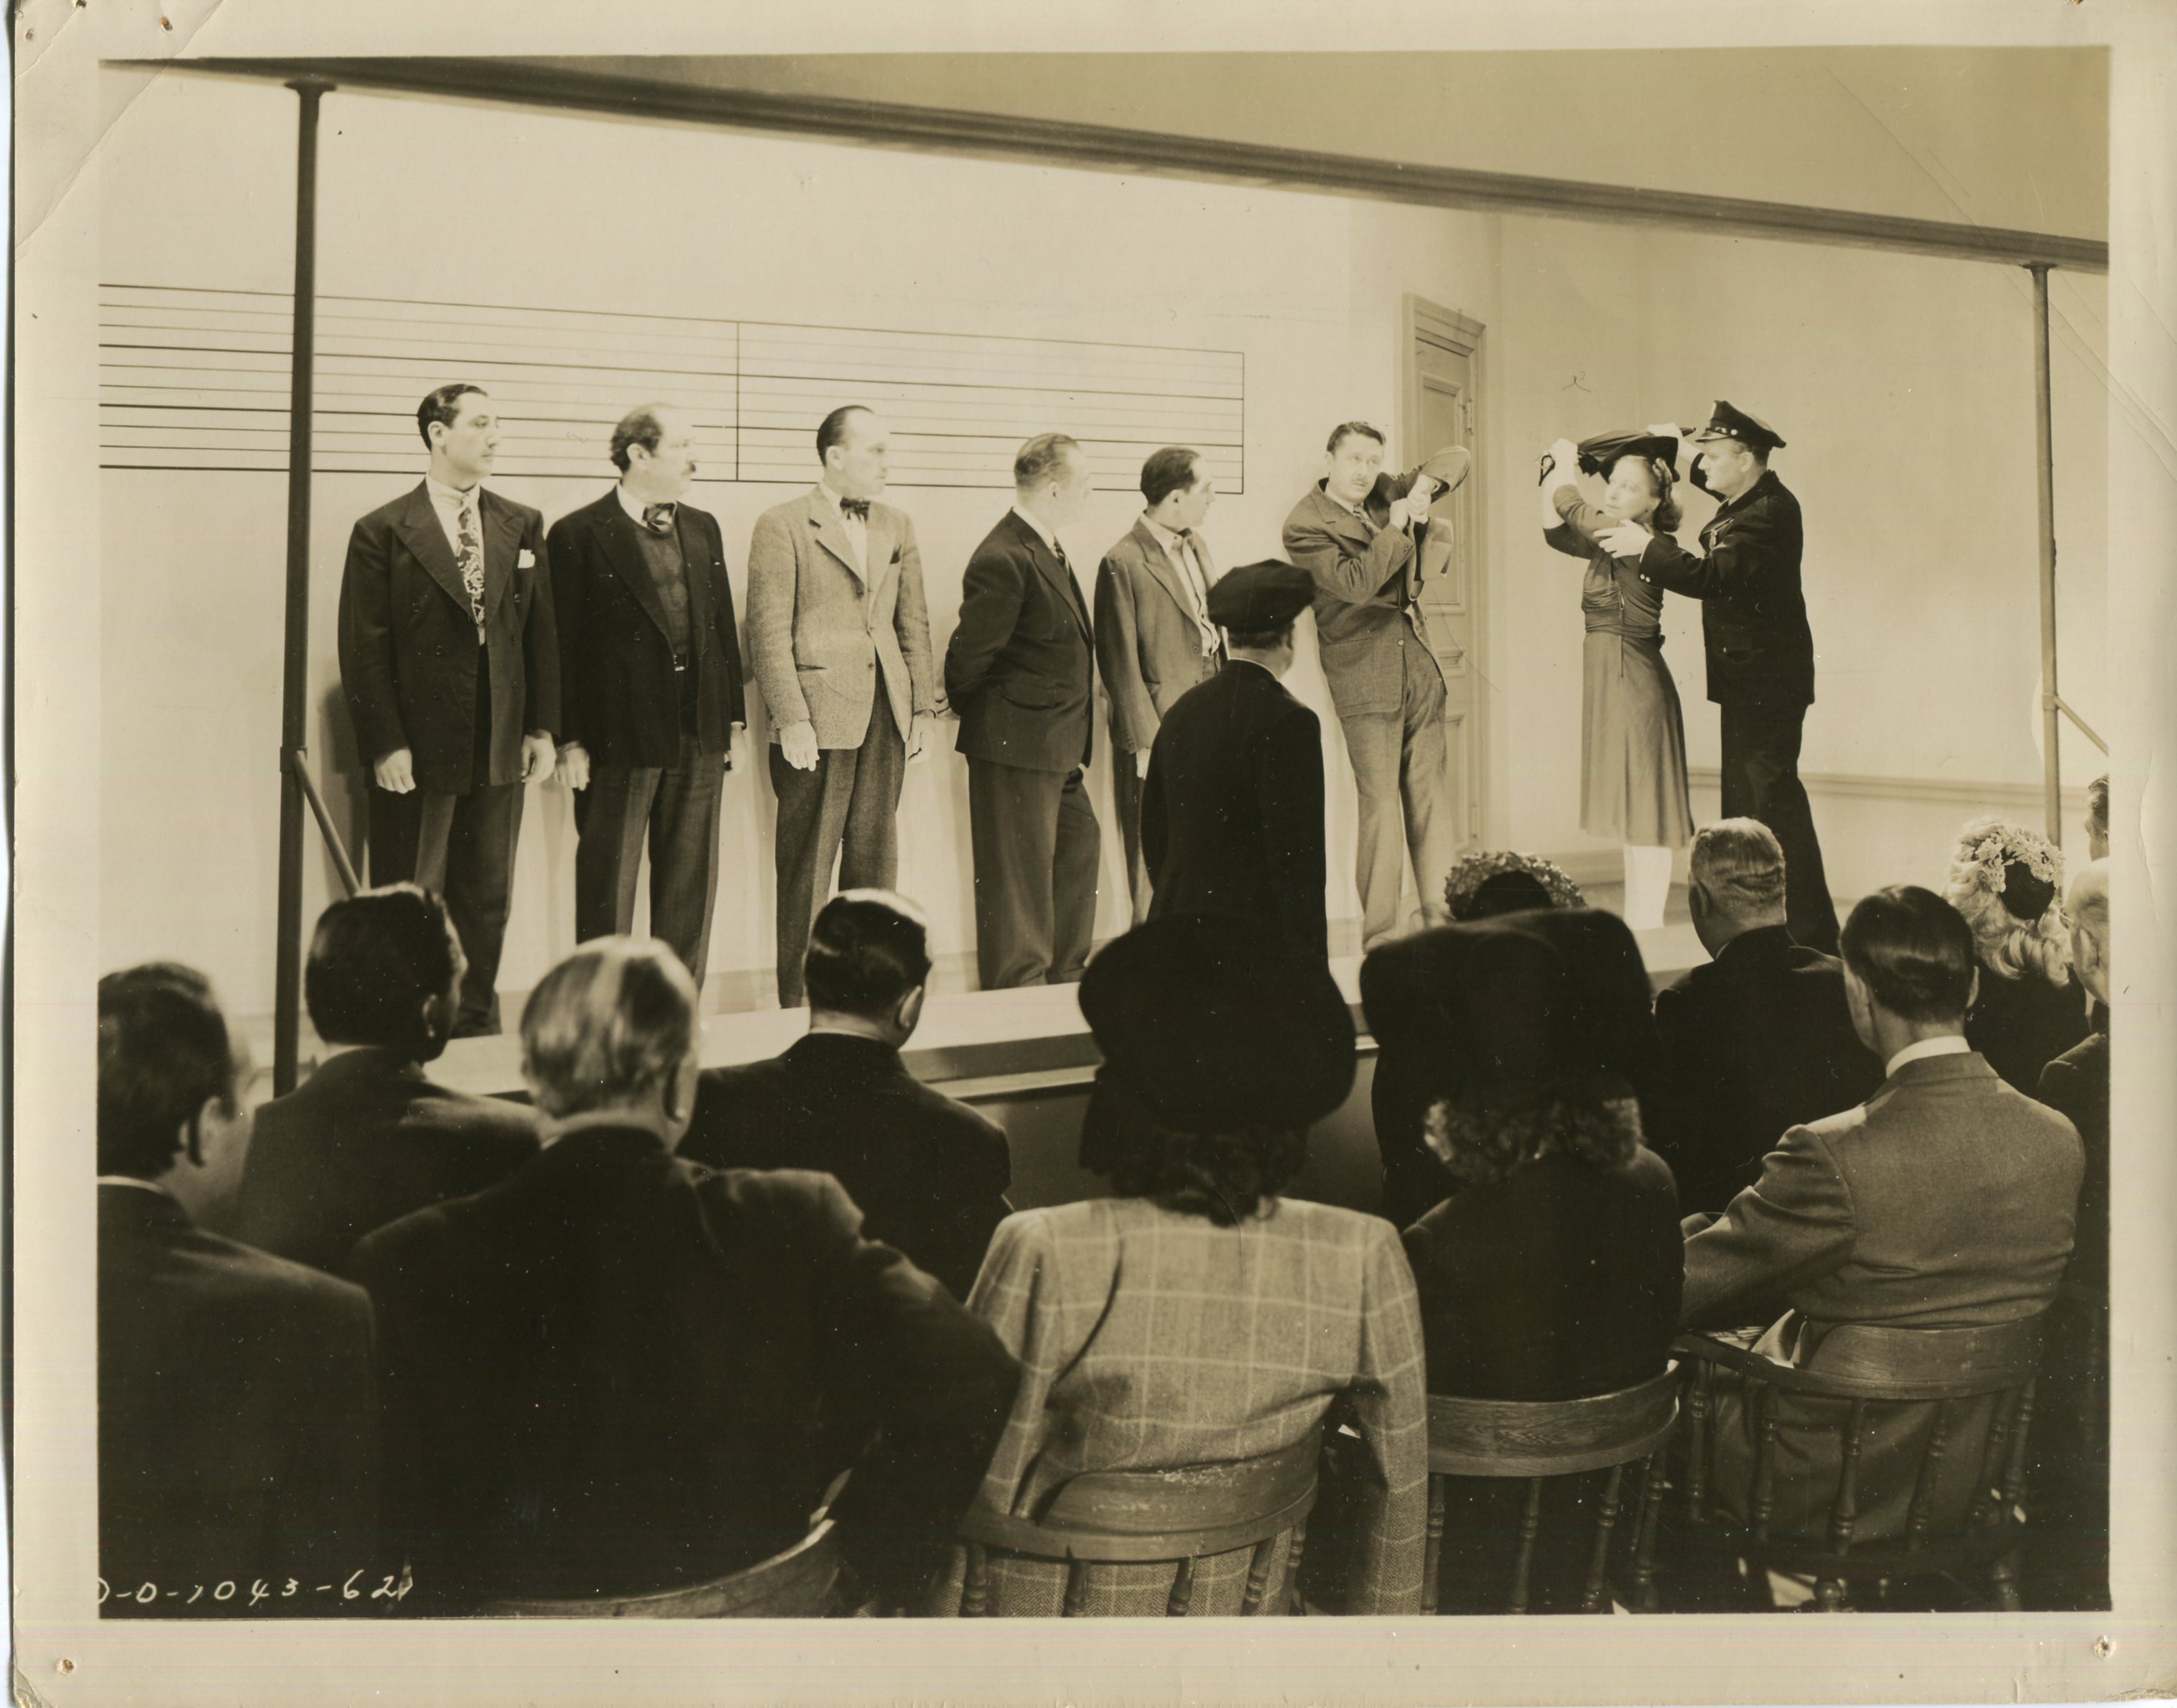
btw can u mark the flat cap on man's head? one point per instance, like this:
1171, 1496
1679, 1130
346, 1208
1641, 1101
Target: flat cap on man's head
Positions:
1261, 598
1220, 1024
1728, 421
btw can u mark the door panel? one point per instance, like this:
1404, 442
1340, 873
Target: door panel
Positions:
1443, 414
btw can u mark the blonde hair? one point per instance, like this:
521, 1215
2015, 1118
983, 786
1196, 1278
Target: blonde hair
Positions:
607, 1026
1991, 857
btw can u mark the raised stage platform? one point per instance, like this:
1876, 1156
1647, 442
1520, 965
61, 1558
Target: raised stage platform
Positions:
1025, 1058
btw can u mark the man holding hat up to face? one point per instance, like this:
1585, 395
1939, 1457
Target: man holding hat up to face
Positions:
1232, 810
1760, 652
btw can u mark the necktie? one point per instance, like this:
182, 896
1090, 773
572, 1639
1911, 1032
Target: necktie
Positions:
1197, 590
658, 517
469, 549
858, 508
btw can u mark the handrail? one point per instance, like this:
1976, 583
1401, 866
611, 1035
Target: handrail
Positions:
297, 764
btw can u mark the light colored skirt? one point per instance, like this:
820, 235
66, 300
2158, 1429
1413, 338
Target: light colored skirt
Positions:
1632, 745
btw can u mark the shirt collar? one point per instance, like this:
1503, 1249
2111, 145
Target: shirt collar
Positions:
1950, 1043
1042, 532
1322, 486
1165, 537
451, 497
132, 1180
628, 503
831, 499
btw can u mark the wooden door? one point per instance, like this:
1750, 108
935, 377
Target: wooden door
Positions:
1440, 395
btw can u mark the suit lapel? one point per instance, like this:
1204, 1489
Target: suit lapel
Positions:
1160, 565
1053, 570
694, 549
625, 550
426, 539
832, 535
502, 539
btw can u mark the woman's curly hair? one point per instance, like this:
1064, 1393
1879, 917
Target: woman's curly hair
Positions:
1497, 882
1485, 1138
2005, 880
1226, 1177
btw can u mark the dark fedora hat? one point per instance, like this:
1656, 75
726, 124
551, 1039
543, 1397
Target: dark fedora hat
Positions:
1216, 1024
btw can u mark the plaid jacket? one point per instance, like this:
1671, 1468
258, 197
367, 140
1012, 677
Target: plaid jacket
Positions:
1150, 1340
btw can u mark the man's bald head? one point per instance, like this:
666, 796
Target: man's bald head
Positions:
2086, 904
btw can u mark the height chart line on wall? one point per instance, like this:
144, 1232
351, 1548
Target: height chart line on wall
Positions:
188, 380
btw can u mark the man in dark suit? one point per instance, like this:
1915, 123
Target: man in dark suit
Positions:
1385, 682
2069, 1568
1020, 670
928, 1173
618, 1372
1155, 638
237, 1417
1232, 814
1760, 1039
451, 663
1945, 1200
1760, 652
650, 689
367, 1138
839, 640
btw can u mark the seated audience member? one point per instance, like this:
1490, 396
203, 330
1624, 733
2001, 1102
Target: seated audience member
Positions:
1760, 1039
235, 1412
1944, 1201
928, 1175
1552, 1271
617, 1372
2069, 1568
1197, 1317
367, 1138
1403, 991
1482, 886
2098, 818
2029, 1010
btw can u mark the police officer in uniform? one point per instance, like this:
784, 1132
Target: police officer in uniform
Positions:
1232, 807
1760, 652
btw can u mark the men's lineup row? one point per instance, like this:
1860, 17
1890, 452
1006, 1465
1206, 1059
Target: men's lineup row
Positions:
480, 652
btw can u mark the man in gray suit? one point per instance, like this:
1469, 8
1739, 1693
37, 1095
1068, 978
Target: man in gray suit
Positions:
1154, 640
1944, 1201
1384, 681
835, 612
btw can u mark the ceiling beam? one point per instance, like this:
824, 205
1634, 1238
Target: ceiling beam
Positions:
996, 136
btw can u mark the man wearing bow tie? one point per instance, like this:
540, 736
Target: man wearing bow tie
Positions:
1021, 671
839, 640
650, 689
450, 664
1154, 640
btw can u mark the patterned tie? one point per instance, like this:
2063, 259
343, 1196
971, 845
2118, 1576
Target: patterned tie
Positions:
658, 517
858, 508
469, 549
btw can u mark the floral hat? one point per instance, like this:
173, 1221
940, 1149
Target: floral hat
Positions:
1520, 879
2011, 862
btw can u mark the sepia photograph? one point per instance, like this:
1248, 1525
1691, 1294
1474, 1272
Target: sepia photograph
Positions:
864, 820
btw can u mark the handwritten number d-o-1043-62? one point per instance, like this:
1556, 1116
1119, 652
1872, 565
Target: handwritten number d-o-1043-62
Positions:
391, 1587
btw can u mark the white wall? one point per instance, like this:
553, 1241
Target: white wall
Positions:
500, 205
1905, 388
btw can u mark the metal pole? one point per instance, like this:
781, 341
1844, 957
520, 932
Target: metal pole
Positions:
294, 705
2051, 729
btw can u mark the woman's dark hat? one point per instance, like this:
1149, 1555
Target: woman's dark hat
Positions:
1549, 1003
1598, 453
1216, 1024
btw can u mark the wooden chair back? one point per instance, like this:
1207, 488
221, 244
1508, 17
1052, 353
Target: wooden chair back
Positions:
796, 1584
1139, 1517
1944, 1373
1541, 1440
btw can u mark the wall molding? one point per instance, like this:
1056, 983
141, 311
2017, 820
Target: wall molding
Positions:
1965, 792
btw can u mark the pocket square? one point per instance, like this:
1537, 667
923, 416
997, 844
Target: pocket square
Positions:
526, 560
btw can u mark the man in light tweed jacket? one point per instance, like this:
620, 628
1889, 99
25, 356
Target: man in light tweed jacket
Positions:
836, 614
